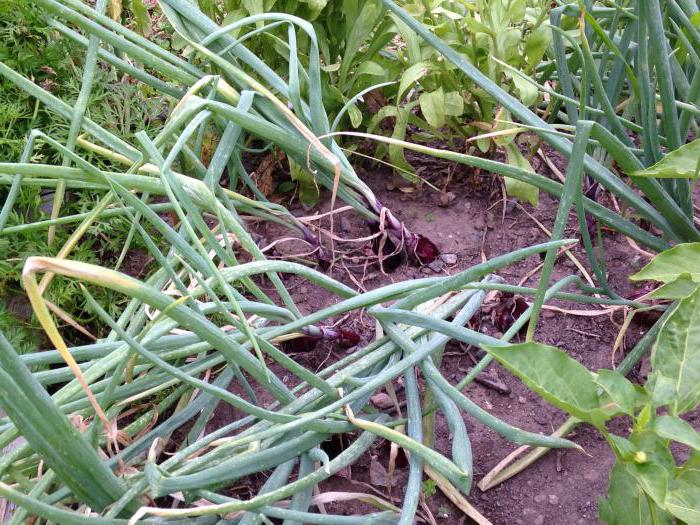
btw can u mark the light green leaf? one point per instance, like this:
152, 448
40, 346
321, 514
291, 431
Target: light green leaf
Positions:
682, 163
683, 501
678, 430
504, 124
141, 16
254, 7
622, 447
410, 77
370, 68
454, 104
675, 357
559, 379
432, 105
308, 189
359, 31
516, 11
536, 44
618, 387
446, 12
522, 191
475, 26
484, 145
355, 116
528, 91
678, 289
670, 264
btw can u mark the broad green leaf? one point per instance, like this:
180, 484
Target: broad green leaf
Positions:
511, 41
663, 390
678, 430
625, 504
678, 289
536, 44
623, 447
690, 470
516, 11
446, 12
396, 154
682, 163
355, 116
675, 358
522, 191
475, 26
370, 68
528, 91
561, 380
410, 77
505, 124
360, 30
308, 189
316, 6
683, 501
671, 264
454, 104
141, 16
652, 478
254, 7
432, 105
618, 387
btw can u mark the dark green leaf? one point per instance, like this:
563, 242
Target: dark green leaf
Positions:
675, 357
683, 501
561, 380
625, 504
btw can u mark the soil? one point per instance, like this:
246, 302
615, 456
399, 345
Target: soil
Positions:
469, 219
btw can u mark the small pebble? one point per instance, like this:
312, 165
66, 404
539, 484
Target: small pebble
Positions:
540, 498
449, 258
436, 266
553, 499
522, 399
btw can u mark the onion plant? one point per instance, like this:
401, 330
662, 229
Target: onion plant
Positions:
93, 447
247, 97
113, 426
628, 84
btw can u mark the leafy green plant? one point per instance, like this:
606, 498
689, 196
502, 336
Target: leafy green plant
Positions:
647, 483
369, 52
664, 207
202, 319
